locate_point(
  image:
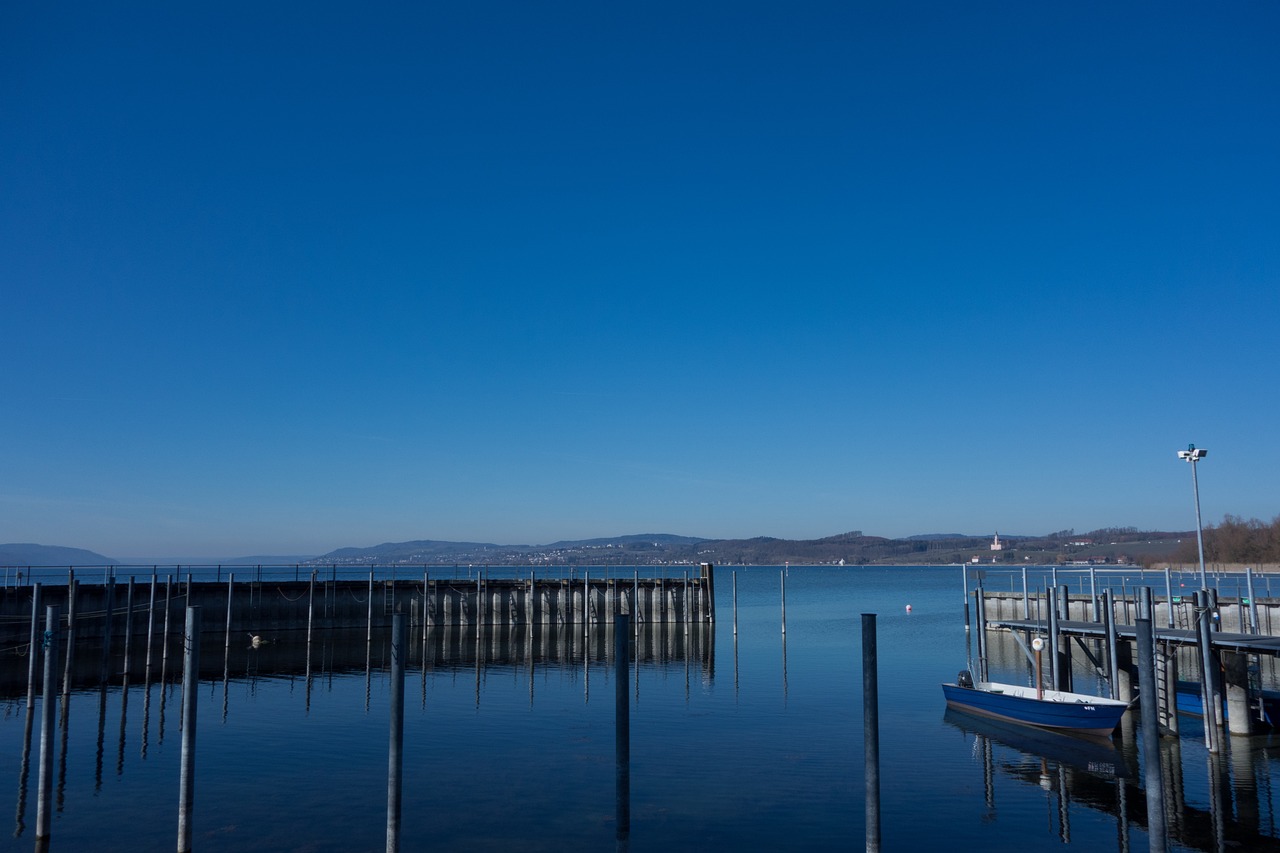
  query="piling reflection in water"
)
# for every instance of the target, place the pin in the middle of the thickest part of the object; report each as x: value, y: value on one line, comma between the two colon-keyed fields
x: 287, y: 655
x: 1104, y: 776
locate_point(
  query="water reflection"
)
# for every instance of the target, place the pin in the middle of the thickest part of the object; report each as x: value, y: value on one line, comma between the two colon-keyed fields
x: 1103, y: 775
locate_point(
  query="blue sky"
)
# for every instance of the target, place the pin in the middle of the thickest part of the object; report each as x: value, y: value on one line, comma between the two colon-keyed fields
x: 283, y: 279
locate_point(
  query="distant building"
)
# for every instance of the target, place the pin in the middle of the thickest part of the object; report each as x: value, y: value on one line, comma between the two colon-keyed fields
x: 996, y: 544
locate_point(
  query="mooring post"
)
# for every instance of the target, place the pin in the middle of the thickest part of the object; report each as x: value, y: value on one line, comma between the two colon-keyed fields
x: 190, y: 702
x: 783, y: 576
x: 1026, y: 603
x: 44, y: 799
x: 688, y: 610
x: 1154, y: 782
x: 1207, y: 669
x: 709, y: 590
x: 1253, y: 604
x: 1063, y: 649
x: 980, y: 635
x: 964, y: 580
x: 106, y: 629
x: 231, y: 583
x: 1093, y: 591
x: 368, y: 637
x: 395, y: 750
x: 1113, y: 653
x: 622, y: 728
x: 871, y: 729
x: 735, y: 603
x: 311, y: 607
x: 73, y: 591
x: 33, y: 653
x: 128, y: 627
x: 1168, y: 595
x: 151, y: 620
x: 164, y: 654
x: 1055, y: 657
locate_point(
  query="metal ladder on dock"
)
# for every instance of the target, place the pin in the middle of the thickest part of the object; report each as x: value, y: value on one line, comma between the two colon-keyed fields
x: 388, y: 597
x: 1164, y: 690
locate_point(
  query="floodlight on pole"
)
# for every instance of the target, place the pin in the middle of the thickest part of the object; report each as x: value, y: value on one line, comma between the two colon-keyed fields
x: 1193, y: 454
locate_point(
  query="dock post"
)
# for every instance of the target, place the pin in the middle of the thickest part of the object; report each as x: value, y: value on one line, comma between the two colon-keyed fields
x: 395, y: 749
x: 32, y: 644
x: 711, y: 592
x: 1063, y: 648
x: 1253, y: 604
x: 164, y: 641
x: 151, y: 621
x: 44, y: 797
x: 735, y: 603
x: 871, y: 729
x: 73, y: 593
x: 106, y: 629
x: 1153, y: 781
x: 311, y: 608
x: 964, y: 574
x: 980, y: 635
x: 1168, y: 594
x: 231, y: 585
x: 1109, y: 621
x: 622, y: 729
x: 1026, y: 602
x: 782, y: 575
x: 128, y: 627
x: 1093, y: 591
x: 1207, y: 670
x: 190, y: 702
x: 1055, y: 658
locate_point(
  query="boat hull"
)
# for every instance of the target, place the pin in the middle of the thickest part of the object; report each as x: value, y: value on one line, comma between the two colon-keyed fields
x: 1071, y: 713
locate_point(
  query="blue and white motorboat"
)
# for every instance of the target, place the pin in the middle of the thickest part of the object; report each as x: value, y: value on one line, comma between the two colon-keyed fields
x: 1058, y: 710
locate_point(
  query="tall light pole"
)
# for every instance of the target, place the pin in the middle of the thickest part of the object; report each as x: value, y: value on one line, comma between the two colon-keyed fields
x: 1192, y: 454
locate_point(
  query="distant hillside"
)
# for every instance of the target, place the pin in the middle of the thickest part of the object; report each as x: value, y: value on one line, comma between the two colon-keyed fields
x: 1106, y: 545
x: 853, y: 548
x: 26, y: 554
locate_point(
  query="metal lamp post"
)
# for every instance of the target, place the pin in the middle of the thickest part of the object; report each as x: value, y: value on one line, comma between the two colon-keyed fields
x: 1192, y: 454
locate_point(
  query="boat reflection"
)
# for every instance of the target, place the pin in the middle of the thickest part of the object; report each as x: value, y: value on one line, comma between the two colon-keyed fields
x: 1093, y: 755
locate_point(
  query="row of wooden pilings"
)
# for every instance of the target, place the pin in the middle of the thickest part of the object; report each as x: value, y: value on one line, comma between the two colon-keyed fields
x: 98, y: 610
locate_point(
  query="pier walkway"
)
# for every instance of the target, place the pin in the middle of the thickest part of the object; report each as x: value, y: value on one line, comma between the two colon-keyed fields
x: 1251, y: 644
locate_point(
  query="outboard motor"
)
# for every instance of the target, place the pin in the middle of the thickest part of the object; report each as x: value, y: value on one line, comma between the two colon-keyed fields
x: 964, y: 679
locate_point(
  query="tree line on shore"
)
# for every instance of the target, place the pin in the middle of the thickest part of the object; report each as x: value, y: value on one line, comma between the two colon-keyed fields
x: 1236, y: 540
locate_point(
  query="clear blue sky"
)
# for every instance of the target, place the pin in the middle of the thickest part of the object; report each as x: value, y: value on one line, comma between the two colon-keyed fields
x: 280, y: 278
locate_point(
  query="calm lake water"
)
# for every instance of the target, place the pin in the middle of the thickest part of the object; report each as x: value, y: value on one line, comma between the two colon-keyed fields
x: 753, y: 742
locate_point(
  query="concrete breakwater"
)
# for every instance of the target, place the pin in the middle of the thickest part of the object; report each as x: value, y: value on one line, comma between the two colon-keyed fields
x: 1234, y: 614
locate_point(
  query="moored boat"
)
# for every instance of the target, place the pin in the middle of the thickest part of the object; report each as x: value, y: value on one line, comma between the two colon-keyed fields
x: 1059, y: 710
